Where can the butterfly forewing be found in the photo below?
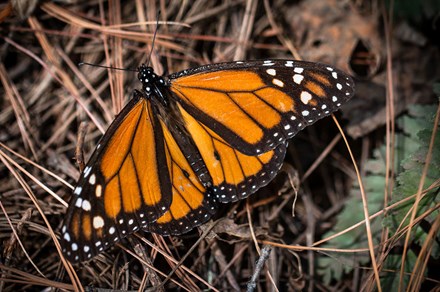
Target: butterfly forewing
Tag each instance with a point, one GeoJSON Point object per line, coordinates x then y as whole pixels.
{"type": "Point", "coordinates": [124, 186]}
{"type": "Point", "coordinates": [256, 105]}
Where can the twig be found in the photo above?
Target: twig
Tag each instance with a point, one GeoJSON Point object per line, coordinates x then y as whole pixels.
{"type": "Point", "coordinates": [264, 255]}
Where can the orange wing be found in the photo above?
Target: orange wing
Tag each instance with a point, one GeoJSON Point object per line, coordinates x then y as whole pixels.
{"type": "Point", "coordinates": [124, 187]}
{"type": "Point", "coordinates": [256, 105]}
{"type": "Point", "coordinates": [193, 202]}
{"type": "Point", "coordinates": [234, 175]}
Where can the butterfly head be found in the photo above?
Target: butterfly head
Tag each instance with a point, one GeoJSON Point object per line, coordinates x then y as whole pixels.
{"type": "Point", "coordinates": [150, 80]}
{"type": "Point", "coordinates": [152, 83]}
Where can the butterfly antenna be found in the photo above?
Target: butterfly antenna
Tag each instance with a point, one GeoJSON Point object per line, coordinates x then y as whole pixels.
{"type": "Point", "coordinates": [154, 38]}
{"type": "Point", "coordinates": [105, 67]}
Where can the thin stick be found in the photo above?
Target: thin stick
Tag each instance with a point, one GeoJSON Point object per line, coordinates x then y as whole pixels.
{"type": "Point", "coordinates": [264, 255]}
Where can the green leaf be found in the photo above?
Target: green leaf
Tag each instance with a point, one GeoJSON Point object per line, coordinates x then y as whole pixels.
{"type": "Point", "coordinates": [412, 142]}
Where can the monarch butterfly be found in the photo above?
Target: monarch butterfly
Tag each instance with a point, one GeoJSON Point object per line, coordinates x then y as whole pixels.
{"type": "Point", "coordinates": [186, 142]}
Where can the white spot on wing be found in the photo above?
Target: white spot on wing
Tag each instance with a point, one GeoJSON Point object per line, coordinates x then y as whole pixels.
{"type": "Point", "coordinates": [78, 203]}
{"type": "Point", "coordinates": [298, 78]}
{"type": "Point", "coordinates": [98, 191]}
{"type": "Point", "coordinates": [92, 179]}
{"type": "Point", "coordinates": [298, 70]}
{"type": "Point", "coordinates": [86, 205]}
{"type": "Point", "coordinates": [278, 82]}
{"type": "Point", "coordinates": [268, 63]}
{"type": "Point", "coordinates": [87, 171]}
{"type": "Point", "coordinates": [98, 222]}
{"type": "Point", "coordinates": [271, 72]}
{"type": "Point", "coordinates": [305, 97]}
{"type": "Point", "coordinates": [77, 190]}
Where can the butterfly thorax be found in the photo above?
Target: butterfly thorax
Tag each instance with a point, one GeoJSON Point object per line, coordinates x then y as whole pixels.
{"type": "Point", "coordinates": [153, 85]}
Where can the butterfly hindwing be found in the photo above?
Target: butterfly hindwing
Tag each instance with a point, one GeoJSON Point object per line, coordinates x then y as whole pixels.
{"type": "Point", "coordinates": [124, 186]}
{"type": "Point", "coordinates": [192, 201]}
{"type": "Point", "coordinates": [256, 105]}
{"type": "Point", "coordinates": [234, 175]}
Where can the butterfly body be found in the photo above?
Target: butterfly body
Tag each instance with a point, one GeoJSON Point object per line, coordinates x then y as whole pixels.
{"type": "Point", "coordinates": [153, 85]}
{"type": "Point", "coordinates": [186, 142]}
